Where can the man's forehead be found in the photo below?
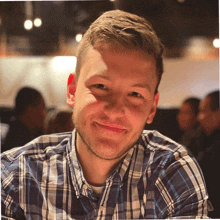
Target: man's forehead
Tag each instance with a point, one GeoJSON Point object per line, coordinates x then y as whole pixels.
{"type": "Point", "coordinates": [116, 47]}
{"type": "Point", "coordinates": [102, 49]}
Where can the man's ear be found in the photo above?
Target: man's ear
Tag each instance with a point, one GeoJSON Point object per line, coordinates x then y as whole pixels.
{"type": "Point", "coordinates": [153, 109]}
{"type": "Point", "coordinates": [71, 89]}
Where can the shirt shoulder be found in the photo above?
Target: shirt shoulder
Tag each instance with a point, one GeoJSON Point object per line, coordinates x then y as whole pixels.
{"type": "Point", "coordinates": [155, 141]}
{"type": "Point", "coordinates": [40, 148]}
{"type": "Point", "coordinates": [163, 150]}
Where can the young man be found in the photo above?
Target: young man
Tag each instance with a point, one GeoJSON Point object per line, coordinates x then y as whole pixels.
{"type": "Point", "coordinates": [108, 167]}
{"type": "Point", "coordinates": [208, 158]}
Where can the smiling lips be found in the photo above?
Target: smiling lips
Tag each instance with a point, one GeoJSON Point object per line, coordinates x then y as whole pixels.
{"type": "Point", "coordinates": [111, 127]}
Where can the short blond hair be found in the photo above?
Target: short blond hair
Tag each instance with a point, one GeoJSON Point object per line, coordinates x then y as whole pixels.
{"type": "Point", "coordinates": [122, 29]}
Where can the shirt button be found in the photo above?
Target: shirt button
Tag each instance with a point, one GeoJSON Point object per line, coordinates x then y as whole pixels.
{"type": "Point", "coordinates": [101, 208]}
{"type": "Point", "coordinates": [84, 187]}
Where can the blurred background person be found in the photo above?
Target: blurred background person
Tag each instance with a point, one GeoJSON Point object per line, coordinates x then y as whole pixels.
{"type": "Point", "coordinates": [188, 124]}
{"type": "Point", "coordinates": [208, 116]}
{"type": "Point", "coordinates": [58, 120]}
{"type": "Point", "coordinates": [209, 120]}
{"type": "Point", "coordinates": [30, 112]}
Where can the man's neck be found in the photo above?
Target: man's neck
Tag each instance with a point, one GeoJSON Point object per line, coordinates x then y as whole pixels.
{"type": "Point", "coordinates": [95, 169]}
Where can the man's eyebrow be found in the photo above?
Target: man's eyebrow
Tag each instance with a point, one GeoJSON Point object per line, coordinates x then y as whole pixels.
{"type": "Point", "coordinates": [142, 85]}
{"type": "Point", "coordinates": [101, 75]}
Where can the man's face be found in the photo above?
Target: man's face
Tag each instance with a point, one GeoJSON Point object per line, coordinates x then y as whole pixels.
{"type": "Point", "coordinates": [114, 99]}
{"type": "Point", "coordinates": [186, 117]}
{"type": "Point", "coordinates": [205, 114]}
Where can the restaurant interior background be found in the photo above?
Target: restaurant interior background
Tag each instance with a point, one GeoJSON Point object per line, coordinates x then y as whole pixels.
{"type": "Point", "coordinates": [38, 42]}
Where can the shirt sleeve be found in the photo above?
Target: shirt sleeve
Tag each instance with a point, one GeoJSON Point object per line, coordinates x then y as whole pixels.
{"type": "Point", "coordinates": [9, 191]}
{"type": "Point", "coordinates": [182, 188]}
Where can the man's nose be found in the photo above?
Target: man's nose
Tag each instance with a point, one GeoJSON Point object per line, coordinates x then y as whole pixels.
{"type": "Point", "coordinates": [115, 105]}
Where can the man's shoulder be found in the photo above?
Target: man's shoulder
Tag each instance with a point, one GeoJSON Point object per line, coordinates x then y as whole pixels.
{"type": "Point", "coordinates": [162, 152]}
{"type": "Point", "coordinates": [40, 148]}
{"type": "Point", "coordinates": [154, 140]}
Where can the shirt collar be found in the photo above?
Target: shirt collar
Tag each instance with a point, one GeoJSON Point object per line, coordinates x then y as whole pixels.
{"type": "Point", "coordinates": [76, 173]}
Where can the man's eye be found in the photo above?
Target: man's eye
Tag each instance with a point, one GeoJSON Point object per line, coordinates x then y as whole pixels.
{"type": "Point", "coordinates": [100, 86]}
{"type": "Point", "coordinates": [136, 94]}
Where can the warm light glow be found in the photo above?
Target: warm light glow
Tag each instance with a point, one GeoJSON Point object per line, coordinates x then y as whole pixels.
{"type": "Point", "coordinates": [216, 43]}
{"type": "Point", "coordinates": [37, 22]}
{"type": "Point", "coordinates": [181, 1]}
{"type": "Point", "coordinates": [28, 24]}
{"type": "Point", "coordinates": [198, 47]}
{"type": "Point", "coordinates": [61, 63]}
{"type": "Point", "coordinates": [78, 37]}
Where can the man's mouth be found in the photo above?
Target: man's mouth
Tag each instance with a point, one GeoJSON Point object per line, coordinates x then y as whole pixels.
{"type": "Point", "coordinates": [111, 127]}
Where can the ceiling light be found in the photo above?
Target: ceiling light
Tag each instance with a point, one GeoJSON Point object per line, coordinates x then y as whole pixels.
{"type": "Point", "coordinates": [216, 43]}
{"type": "Point", "coordinates": [28, 24]}
{"type": "Point", "coordinates": [37, 22]}
{"type": "Point", "coordinates": [78, 37]}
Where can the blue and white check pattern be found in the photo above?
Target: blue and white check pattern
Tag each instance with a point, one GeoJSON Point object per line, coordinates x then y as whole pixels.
{"type": "Point", "coordinates": [157, 179]}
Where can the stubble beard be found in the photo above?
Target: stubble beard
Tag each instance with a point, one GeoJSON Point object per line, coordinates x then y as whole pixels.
{"type": "Point", "coordinates": [120, 155]}
{"type": "Point", "coordinates": [88, 145]}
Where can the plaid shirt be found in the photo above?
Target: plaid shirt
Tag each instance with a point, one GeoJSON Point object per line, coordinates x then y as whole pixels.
{"type": "Point", "coordinates": [156, 179]}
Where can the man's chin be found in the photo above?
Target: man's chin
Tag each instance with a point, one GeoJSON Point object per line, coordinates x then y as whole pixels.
{"type": "Point", "coordinates": [109, 149]}
{"type": "Point", "coordinates": [107, 156]}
